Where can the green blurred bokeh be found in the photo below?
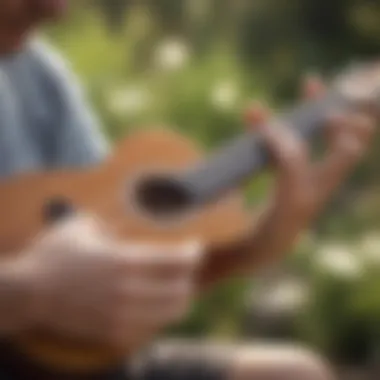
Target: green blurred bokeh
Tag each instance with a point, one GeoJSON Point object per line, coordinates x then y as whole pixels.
{"type": "Point", "coordinates": [194, 65]}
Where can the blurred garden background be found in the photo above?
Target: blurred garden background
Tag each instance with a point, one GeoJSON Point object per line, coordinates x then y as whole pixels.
{"type": "Point", "coordinates": [194, 65]}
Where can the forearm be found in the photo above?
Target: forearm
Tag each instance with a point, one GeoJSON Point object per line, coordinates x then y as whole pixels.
{"type": "Point", "coordinates": [302, 190]}
{"type": "Point", "coordinates": [275, 232]}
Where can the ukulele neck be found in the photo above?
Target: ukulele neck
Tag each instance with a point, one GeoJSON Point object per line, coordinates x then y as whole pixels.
{"type": "Point", "coordinates": [235, 163]}
{"type": "Point", "coordinates": [247, 156]}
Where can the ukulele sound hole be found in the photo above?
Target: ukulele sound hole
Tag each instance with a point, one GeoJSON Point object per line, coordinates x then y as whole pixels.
{"type": "Point", "coordinates": [162, 197]}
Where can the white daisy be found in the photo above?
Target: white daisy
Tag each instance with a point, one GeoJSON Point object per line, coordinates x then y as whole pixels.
{"type": "Point", "coordinates": [128, 101]}
{"type": "Point", "coordinates": [339, 260]}
{"type": "Point", "coordinates": [172, 55]}
{"type": "Point", "coordinates": [224, 95]}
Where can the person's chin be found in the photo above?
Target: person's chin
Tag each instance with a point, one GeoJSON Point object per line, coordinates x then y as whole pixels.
{"type": "Point", "coordinates": [55, 11]}
{"type": "Point", "coordinates": [13, 44]}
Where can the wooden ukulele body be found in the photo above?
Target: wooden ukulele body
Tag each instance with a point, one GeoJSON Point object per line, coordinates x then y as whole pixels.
{"type": "Point", "coordinates": [108, 192]}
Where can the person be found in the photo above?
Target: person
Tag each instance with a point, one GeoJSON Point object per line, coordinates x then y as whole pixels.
{"type": "Point", "coordinates": [77, 280]}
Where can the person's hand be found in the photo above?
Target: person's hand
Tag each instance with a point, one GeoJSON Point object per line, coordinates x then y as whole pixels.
{"type": "Point", "coordinates": [302, 188]}
{"type": "Point", "coordinates": [89, 286]}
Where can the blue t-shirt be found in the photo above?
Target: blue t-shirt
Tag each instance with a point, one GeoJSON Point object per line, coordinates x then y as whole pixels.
{"type": "Point", "coordinates": [45, 122]}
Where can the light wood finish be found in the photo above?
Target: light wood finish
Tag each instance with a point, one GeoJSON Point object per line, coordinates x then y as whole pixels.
{"type": "Point", "coordinates": [105, 192]}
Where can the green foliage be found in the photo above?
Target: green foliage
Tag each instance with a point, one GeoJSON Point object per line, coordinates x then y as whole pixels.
{"type": "Point", "coordinates": [194, 65]}
{"type": "Point", "coordinates": [342, 314]}
{"type": "Point", "coordinates": [218, 312]}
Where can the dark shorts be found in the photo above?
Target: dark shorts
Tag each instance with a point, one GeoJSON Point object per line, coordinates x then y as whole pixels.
{"type": "Point", "coordinates": [171, 362]}
{"type": "Point", "coordinates": [179, 363]}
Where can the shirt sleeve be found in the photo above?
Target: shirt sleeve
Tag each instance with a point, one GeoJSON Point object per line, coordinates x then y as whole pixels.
{"type": "Point", "coordinates": [78, 139]}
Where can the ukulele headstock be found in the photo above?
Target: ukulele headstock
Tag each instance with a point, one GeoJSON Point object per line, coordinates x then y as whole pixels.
{"type": "Point", "coordinates": [360, 84]}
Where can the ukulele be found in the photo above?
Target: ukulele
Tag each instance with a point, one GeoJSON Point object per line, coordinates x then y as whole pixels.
{"type": "Point", "coordinates": [158, 186]}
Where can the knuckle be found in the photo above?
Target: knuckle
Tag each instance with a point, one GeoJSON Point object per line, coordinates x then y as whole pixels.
{"type": "Point", "coordinates": [362, 126]}
{"type": "Point", "coordinates": [351, 147]}
{"type": "Point", "coordinates": [336, 121]}
{"type": "Point", "coordinates": [365, 123]}
{"type": "Point", "coordinates": [355, 153]}
{"type": "Point", "coordinates": [295, 153]}
{"type": "Point", "coordinates": [303, 202]}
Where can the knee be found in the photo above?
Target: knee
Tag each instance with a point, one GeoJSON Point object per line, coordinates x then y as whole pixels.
{"type": "Point", "coordinates": [280, 364]}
